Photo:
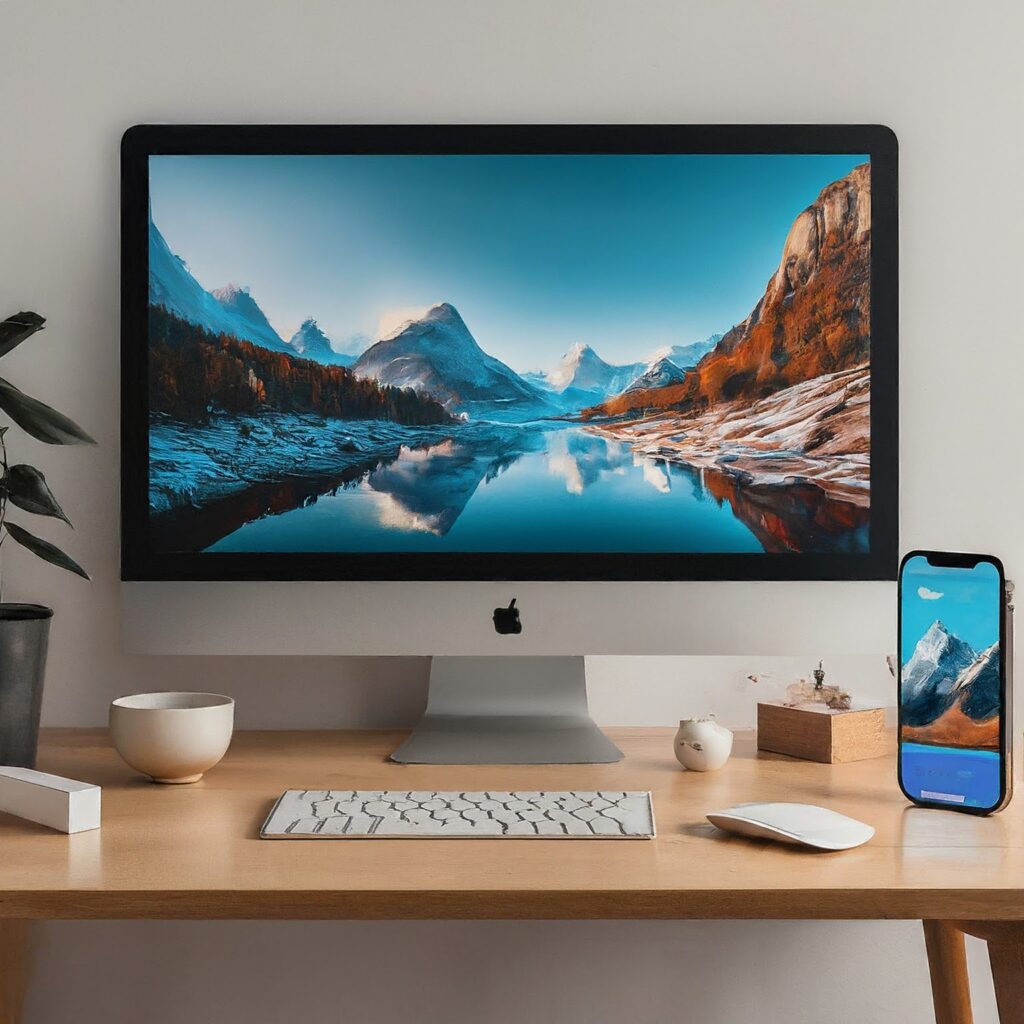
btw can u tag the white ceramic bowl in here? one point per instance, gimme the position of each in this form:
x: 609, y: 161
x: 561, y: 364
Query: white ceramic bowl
x: 172, y: 737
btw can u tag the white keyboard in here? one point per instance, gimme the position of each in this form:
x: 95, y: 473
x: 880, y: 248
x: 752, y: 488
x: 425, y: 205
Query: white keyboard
x: 422, y: 814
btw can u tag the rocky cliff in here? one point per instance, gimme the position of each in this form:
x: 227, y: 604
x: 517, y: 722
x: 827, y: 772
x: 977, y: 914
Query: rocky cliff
x: 813, y: 319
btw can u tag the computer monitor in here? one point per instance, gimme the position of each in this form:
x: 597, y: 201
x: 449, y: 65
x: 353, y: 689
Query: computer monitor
x: 378, y: 381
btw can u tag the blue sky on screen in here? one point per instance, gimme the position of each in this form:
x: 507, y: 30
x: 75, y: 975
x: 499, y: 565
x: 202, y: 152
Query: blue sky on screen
x: 626, y: 253
x: 966, y: 600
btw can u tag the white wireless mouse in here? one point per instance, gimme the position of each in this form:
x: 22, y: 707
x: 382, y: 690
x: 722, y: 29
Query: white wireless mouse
x: 801, y: 824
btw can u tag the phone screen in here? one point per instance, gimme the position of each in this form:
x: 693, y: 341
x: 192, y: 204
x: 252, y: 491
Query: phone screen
x: 951, y: 683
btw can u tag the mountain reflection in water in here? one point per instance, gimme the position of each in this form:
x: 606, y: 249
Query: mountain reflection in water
x: 542, y: 487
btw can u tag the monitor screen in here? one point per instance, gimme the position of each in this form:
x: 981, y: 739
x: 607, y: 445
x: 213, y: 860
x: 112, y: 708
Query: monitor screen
x: 471, y: 359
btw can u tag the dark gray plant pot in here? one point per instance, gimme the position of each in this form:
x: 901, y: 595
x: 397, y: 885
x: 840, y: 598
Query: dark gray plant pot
x: 24, y: 633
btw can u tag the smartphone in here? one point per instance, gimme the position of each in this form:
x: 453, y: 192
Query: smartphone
x: 954, y: 701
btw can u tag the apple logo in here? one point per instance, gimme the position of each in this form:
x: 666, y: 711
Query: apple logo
x: 506, y: 620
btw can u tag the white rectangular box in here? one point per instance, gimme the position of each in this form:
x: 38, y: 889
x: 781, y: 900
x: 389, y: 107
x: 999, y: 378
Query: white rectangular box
x: 51, y: 800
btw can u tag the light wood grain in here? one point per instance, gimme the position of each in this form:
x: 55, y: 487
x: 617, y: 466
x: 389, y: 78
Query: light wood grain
x: 193, y: 851
x: 947, y: 965
x: 820, y: 734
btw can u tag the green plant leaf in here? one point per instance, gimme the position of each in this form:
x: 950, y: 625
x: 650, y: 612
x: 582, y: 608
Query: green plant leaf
x: 45, y: 550
x: 27, y: 488
x: 15, y: 329
x: 38, y: 419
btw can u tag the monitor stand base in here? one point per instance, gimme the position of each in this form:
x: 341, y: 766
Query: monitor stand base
x: 507, y: 710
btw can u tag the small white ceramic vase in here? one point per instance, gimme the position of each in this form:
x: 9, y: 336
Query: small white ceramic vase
x: 702, y: 745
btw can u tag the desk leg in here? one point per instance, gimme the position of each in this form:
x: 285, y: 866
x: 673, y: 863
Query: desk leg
x: 1006, y: 955
x: 14, y: 966
x: 947, y: 964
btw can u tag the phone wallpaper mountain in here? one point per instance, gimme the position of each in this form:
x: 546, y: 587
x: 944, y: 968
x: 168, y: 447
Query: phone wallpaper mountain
x: 951, y: 683
x: 510, y: 354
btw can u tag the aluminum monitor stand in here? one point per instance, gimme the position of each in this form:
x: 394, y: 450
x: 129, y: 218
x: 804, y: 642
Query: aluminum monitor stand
x: 507, y: 710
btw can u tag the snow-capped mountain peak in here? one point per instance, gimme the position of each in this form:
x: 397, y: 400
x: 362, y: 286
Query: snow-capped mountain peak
x: 230, y: 292
x: 659, y: 374
x: 686, y: 357
x: 230, y: 310
x: 966, y: 713
x: 936, y: 647
x: 931, y: 672
x: 929, y: 647
x: 239, y: 302
x: 583, y: 369
x: 441, y: 311
x: 580, y: 361
x: 310, y: 341
x: 437, y: 354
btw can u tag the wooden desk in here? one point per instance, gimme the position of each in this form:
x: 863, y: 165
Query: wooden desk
x: 193, y: 851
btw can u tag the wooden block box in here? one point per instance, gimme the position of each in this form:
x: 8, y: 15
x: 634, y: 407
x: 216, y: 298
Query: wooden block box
x: 817, y: 733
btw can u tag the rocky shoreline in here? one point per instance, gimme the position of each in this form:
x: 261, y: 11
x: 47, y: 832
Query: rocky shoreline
x: 191, y: 465
x: 794, y: 465
x: 207, y: 480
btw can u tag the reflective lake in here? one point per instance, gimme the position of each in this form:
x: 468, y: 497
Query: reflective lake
x: 532, y: 487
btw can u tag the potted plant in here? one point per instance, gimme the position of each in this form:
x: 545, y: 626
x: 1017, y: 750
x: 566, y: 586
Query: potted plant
x: 25, y: 628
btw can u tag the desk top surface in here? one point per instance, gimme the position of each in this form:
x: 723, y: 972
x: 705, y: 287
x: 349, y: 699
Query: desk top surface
x: 194, y: 852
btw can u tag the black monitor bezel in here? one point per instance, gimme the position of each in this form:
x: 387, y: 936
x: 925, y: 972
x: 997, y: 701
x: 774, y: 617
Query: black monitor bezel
x: 141, y: 561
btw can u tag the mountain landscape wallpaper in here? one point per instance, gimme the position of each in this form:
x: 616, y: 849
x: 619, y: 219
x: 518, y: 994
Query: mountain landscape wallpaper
x: 518, y: 354
x: 951, y: 682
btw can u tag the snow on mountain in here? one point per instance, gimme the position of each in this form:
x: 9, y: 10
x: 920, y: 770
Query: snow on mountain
x: 968, y: 716
x: 583, y: 378
x: 582, y: 368
x: 686, y: 357
x: 239, y: 303
x: 978, y: 689
x: 437, y: 354
x: 172, y: 285
x: 311, y: 343
x: 749, y: 454
x: 658, y: 375
x: 929, y: 676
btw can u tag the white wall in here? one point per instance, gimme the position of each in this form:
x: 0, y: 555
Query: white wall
x: 944, y: 74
